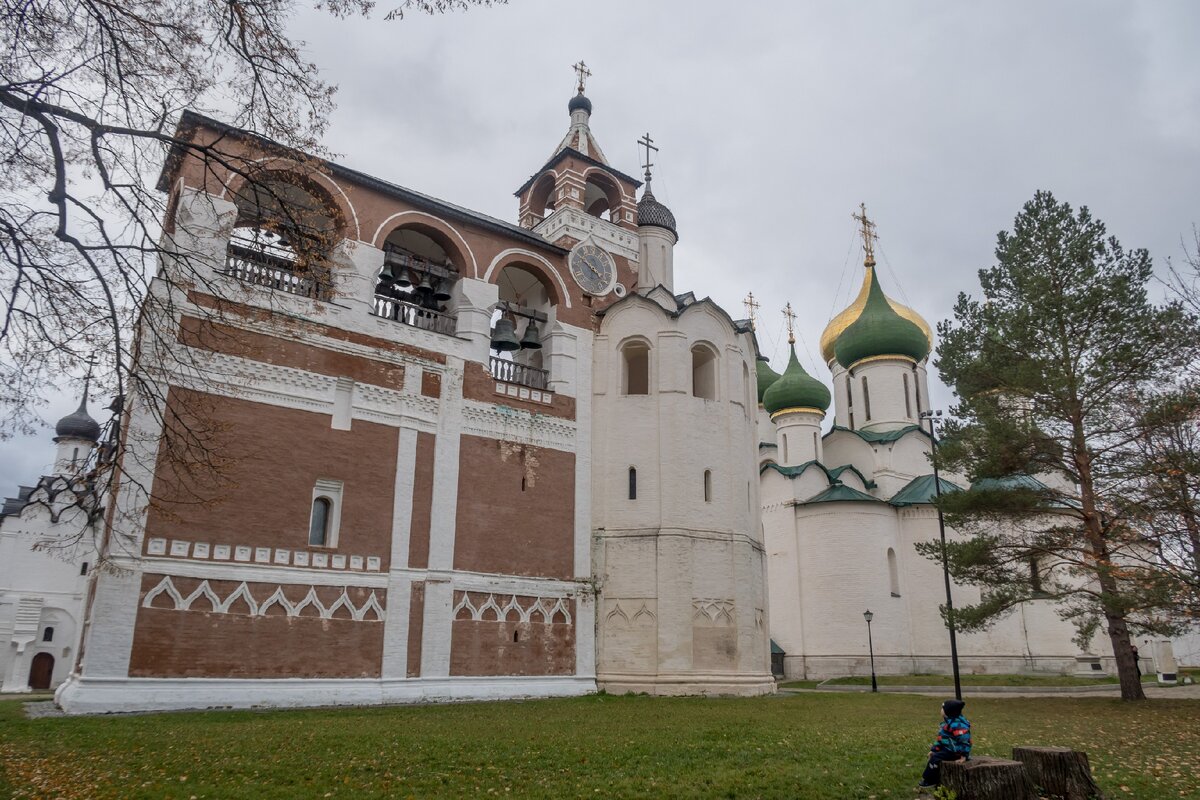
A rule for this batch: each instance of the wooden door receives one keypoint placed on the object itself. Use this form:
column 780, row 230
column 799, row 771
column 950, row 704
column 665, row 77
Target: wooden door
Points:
column 41, row 671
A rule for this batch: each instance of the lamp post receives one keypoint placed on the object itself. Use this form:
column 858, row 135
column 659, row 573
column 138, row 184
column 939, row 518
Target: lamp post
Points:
column 932, row 416
column 868, row 616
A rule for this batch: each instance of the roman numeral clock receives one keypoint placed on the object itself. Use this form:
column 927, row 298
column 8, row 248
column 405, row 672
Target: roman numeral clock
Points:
column 593, row 269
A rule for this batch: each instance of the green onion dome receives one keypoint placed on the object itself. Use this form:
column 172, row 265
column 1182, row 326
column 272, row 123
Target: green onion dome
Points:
column 795, row 389
column 880, row 331
column 766, row 376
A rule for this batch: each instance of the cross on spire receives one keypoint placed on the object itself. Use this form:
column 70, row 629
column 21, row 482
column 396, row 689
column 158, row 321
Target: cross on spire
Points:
column 868, row 235
column 647, row 143
column 791, row 323
column 583, row 72
column 752, row 307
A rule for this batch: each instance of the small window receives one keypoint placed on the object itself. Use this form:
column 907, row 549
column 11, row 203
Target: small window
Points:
column 318, row 526
column 48, row 634
column 907, row 402
column 893, row 573
column 708, row 485
column 83, row 568
column 866, row 398
column 632, row 483
column 326, row 515
column 704, row 373
column 816, row 446
column 917, row 390
column 785, row 450
column 636, row 356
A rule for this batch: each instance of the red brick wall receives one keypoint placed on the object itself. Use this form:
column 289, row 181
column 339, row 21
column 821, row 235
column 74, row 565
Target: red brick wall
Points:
column 502, row 529
column 431, row 384
column 216, row 337
column 416, row 628
column 487, row 646
column 259, row 493
column 422, row 501
column 199, row 643
column 478, row 384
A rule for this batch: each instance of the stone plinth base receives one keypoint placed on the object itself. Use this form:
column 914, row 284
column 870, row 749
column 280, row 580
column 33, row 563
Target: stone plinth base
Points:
column 710, row 684
column 84, row 695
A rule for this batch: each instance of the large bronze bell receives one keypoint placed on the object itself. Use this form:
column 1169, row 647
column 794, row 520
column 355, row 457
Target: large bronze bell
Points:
column 425, row 287
column 386, row 275
column 531, row 340
column 504, row 336
column 403, row 279
column 441, row 294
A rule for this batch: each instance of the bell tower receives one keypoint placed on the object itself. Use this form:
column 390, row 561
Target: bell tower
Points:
column 577, row 194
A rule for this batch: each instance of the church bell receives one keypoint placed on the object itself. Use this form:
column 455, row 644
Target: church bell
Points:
column 403, row 279
column 441, row 294
column 531, row 340
column 504, row 336
column 424, row 288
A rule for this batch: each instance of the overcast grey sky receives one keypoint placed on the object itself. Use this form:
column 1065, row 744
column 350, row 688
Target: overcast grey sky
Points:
column 776, row 119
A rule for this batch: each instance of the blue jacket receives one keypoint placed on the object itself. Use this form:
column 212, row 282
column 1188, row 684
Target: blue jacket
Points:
column 954, row 736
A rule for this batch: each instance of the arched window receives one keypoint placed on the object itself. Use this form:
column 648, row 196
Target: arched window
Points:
column 907, row 402
column 602, row 197
column 417, row 278
column 866, row 399
column 48, row 634
column 785, row 449
column 893, row 573
column 816, row 445
column 636, row 368
column 708, row 485
column 917, row 389
column 286, row 226
column 704, row 372
column 633, row 483
column 318, row 526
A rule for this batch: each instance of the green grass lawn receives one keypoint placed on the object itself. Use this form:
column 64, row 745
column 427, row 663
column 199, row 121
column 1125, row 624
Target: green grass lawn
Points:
column 812, row 746
column 976, row 680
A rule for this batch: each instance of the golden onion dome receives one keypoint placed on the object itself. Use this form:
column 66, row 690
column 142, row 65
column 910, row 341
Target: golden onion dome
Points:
column 852, row 312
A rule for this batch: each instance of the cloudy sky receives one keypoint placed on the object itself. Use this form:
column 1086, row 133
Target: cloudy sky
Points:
column 776, row 119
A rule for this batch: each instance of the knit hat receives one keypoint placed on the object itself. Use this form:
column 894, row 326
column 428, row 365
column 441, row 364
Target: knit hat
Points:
column 952, row 708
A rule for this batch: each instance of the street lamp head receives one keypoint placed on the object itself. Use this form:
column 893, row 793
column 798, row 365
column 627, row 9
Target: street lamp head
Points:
column 868, row 616
column 931, row 413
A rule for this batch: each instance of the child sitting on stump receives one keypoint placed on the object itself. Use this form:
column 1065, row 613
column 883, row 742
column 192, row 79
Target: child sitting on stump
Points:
column 953, row 742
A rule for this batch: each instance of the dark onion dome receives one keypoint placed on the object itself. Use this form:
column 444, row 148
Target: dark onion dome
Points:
column 652, row 212
column 579, row 101
column 795, row 389
column 766, row 376
column 78, row 424
column 880, row 331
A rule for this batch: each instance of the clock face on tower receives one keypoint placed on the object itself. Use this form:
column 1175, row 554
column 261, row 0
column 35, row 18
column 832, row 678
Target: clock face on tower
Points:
column 592, row 268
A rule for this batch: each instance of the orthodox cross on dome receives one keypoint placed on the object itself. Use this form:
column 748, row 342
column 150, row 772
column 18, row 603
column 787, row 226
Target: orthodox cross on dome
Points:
column 868, row 235
column 752, row 307
column 791, row 323
column 583, row 72
column 648, row 144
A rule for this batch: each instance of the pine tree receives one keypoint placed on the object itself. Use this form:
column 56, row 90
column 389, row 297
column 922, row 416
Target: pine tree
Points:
column 1053, row 369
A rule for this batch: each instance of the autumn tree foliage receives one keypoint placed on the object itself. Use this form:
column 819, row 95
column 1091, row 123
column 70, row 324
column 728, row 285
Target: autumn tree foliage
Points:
column 1071, row 387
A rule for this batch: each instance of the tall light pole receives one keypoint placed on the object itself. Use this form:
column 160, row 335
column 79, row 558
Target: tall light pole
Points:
column 868, row 616
column 932, row 416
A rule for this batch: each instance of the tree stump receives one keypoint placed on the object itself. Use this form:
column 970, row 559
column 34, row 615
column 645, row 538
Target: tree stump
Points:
column 984, row 778
column 1060, row 772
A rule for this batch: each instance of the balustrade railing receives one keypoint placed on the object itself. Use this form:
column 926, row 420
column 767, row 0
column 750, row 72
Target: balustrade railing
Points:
column 261, row 268
column 412, row 314
column 522, row 374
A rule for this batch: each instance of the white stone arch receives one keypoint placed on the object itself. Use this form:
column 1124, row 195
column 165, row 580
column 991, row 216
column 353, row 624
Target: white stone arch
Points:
column 623, row 380
column 319, row 176
column 400, row 218
column 527, row 254
column 706, row 375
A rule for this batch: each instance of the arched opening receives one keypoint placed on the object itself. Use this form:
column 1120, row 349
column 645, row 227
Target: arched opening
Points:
column 602, row 197
column 527, row 301
column 786, row 458
column 541, row 198
column 708, row 485
column 285, row 230
column 41, row 671
column 893, row 573
column 318, row 525
column 704, row 372
column 866, row 392
column 907, row 402
column 416, row 281
column 635, row 373
column 633, row 483
column 48, row 634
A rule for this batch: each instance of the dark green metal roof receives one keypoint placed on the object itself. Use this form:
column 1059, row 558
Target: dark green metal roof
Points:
column 795, row 389
column 776, row 649
column 832, row 475
column 920, row 491
column 841, row 493
column 879, row 331
column 880, row 437
column 766, row 376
